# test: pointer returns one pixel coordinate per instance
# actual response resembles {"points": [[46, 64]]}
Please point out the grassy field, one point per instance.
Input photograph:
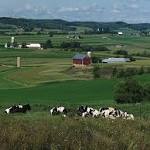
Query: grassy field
{"points": [[133, 44], [72, 133], [47, 78]]}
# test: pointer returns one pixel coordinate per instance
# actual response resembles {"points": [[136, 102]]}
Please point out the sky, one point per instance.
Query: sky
{"points": [[130, 11]]}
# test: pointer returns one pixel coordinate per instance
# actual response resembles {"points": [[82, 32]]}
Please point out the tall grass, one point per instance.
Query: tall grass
{"points": [[72, 134]]}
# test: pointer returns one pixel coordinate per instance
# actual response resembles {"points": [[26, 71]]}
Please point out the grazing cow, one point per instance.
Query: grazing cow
{"points": [[88, 111], [59, 110], [18, 109]]}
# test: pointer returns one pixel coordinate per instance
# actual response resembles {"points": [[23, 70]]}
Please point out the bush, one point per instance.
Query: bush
{"points": [[121, 52], [47, 44], [147, 91], [96, 72], [129, 91], [24, 45], [70, 45], [96, 60]]}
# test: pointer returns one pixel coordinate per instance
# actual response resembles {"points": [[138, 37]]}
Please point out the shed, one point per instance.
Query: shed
{"points": [[115, 60], [120, 33], [81, 59], [34, 45]]}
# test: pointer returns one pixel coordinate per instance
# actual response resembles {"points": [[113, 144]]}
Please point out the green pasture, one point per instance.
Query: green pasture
{"points": [[65, 92]]}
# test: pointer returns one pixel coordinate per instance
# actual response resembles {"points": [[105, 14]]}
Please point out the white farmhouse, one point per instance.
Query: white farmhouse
{"points": [[115, 60], [35, 45]]}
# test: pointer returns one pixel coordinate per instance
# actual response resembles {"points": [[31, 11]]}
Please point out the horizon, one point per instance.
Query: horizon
{"points": [[129, 11]]}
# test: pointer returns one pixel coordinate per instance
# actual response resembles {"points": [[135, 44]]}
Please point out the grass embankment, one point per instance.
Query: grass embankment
{"points": [[73, 133]]}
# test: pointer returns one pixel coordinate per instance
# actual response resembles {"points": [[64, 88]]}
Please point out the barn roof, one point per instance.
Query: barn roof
{"points": [[80, 56]]}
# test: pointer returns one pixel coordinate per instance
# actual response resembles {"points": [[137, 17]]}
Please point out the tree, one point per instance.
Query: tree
{"points": [[141, 70], [147, 91], [8, 44], [65, 45], [121, 52], [96, 72], [120, 73], [114, 71], [70, 45], [96, 60], [47, 44], [15, 44], [24, 45], [129, 91]]}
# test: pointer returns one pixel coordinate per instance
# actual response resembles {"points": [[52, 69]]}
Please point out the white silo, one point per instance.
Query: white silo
{"points": [[89, 54], [12, 40], [18, 62]]}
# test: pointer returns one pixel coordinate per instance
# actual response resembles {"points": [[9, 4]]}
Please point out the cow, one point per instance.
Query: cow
{"points": [[113, 113], [128, 116], [85, 111], [108, 112], [18, 109], [59, 110]]}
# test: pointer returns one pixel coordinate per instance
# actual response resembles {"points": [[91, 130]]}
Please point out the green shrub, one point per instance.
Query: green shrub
{"points": [[96, 72], [129, 91]]}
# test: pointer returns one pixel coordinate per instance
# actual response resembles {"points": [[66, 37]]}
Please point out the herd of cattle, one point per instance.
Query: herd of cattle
{"points": [[83, 111]]}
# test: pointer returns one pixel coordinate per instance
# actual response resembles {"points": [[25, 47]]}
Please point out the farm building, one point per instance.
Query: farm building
{"points": [[115, 60], [120, 33], [82, 60], [34, 46]]}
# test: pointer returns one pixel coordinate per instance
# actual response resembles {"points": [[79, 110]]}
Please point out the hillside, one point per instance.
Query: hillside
{"points": [[6, 23]]}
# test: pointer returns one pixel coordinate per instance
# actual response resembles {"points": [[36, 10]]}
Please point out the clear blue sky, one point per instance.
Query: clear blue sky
{"points": [[132, 11]]}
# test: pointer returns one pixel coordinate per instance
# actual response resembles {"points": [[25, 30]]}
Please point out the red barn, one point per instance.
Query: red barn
{"points": [[81, 60]]}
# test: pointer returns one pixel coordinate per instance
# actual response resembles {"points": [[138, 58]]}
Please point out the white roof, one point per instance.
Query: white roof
{"points": [[114, 60], [34, 45], [120, 32]]}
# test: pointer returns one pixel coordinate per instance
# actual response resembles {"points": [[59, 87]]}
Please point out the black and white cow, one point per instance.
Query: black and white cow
{"points": [[85, 111], [113, 113], [59, 110], [107, 112], [18, 109]]}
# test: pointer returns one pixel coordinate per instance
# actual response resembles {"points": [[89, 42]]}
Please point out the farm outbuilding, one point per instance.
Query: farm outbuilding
{"points": [[120, 33], [81, 60], [115, 60], [35, 45]]}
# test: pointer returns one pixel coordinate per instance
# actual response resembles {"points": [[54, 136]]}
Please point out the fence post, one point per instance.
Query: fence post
{"points": [[140, 112]]}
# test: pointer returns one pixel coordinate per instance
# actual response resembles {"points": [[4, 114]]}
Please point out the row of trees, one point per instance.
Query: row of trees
{"points": [[118, 72], [74, 45]]}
